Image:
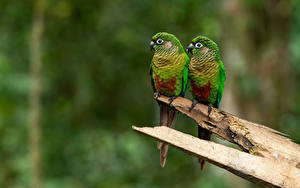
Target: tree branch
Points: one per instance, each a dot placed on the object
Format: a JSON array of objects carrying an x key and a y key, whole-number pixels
[
  {"x": 35, "y": 95},
  {"x": 269, "y": 158}
]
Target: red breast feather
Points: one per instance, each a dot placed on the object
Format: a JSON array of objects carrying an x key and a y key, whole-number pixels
[
  {"x": 165, "y": 87},
  {"x": 201, "y": 93}
]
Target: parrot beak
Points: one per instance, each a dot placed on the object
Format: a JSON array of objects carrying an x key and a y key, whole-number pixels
[
  {"x": 190, "y": 48},
  {"x": 152, "y": 45}
]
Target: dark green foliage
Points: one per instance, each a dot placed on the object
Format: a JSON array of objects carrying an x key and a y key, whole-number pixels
[{"x": 96, "y": 85}]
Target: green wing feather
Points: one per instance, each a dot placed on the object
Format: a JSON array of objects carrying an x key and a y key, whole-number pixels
[
  {"x": 151, "y": 75},
  {"x": 185, "y": 74},
  {"x": 222, "y": 78}
]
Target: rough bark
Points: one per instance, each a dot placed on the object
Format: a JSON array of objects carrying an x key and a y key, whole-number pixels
[
  {"x": 267, "y": 158},
  {"x": 259, "y": 170}
]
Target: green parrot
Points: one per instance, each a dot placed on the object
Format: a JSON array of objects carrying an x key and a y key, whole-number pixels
[
  {"x": 206, "y": 78},
  {"x": 169, "y": 77}
]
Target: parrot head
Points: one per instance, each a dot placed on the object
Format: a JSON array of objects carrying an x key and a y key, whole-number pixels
[
  {"x": 201, "y": 46},
  {"x": 163, "y": 41}
]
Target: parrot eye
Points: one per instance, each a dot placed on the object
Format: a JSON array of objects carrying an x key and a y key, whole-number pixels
[
  {"x": 159, "y": 41},
  {"x": 198, "y": 45}
]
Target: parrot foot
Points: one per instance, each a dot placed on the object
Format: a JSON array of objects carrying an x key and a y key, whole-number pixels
[
  {"x": 156, "y": 95},
  {"x": 209, "y": 110},
  {"x": 194, "y": 102},
  {"x": 172, "y": 99}
]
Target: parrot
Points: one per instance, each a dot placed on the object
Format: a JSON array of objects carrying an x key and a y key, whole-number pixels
[
  {"x": 169, "y": 77},
  {"x": 207, "y": 75}
]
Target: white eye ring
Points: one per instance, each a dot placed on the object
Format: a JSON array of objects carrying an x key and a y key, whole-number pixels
[
  {"x": 198, "y": 45},
  {"x": 159, "y": 41}
]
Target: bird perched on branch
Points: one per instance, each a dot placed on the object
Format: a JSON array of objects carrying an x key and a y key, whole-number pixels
[
  {"x": 169, "y": 77},
  {"x": 206, "y": 78}
]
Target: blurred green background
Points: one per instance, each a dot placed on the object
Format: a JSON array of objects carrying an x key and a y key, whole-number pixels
[{"x": 95, "y": 85}]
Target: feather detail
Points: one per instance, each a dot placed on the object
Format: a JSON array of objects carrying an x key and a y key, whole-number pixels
[
  {"x": 163, "y": 119},
  {"x": 205, "y": 135},
  {"x": 201, "y": 93},
  {"x": 168, "y": 73},
  {"x": 164, "y": 146},
  {"x": 167, "y": 87}
]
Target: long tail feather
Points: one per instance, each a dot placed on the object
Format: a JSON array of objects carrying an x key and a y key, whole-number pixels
[
  {"x": 171, "y": 117},
  {"x": 205, "y": 135},
  {"x": 164, "y": 146},
  {"x": 163, "y": 119},
  {"x": 163, "y": 154}
]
